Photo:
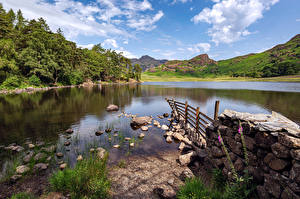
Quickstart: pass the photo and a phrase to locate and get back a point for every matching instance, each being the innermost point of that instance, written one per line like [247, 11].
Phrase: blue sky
[170, 29]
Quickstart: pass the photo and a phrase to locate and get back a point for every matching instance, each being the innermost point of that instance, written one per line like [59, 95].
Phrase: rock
[178, 136]
[264, 140]
[22, 169]
[79, 158]
[168, 133]
[67, 143]
[295, 172]
[171, 181]
[54, 195]
[116, 146]
[101, 152]
[272, 186]
[187, 141]
[39, 156]
[142, 135]
[59, 154]
[40, 143]
[92, 150]
[287, 193]
[262, 193]
[166, 114]
[69, 131]
[144, 128]
[295, 154]
[186, 158]
[131, 144]
[217, 152]
[160, 117]
[164, 127]
[108, 130]
[169, 139]
[140, 121]
[48, 159]
[29, 89]
[181, 146]
[239, 165]
[275, 163]
[280, 151]
[27, 158]
[186, 174]
[31, 146]
[127, 138]
[63, 166]
[289, 141]
[112, 107]
[15, 178]
[40, 166]
[98, 133]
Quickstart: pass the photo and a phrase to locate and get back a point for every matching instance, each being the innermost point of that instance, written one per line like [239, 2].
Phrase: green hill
[283, 59]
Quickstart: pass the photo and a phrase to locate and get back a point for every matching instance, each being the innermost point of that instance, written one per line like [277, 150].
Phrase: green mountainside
[283, 59]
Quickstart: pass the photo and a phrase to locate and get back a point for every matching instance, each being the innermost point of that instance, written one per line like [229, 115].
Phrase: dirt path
[148, 177]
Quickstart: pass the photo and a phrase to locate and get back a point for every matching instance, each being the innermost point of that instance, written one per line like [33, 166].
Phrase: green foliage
[29, 47]
[23, 195]
[34, 80]
[11, 83]
[195, 189]
[219, 181]
[88, 179]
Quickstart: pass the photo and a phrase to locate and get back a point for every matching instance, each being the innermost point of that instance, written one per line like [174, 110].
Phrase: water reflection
[46, 115]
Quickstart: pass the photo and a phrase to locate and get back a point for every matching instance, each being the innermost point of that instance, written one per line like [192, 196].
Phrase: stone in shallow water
[79, 158]
[112, 107]
[142, 135]
[116, 146]
[59, 154]
[144, 128]
[40, 166]
[27, 158]
[127, 138]
[140, 121]
[67, 143]
[131, 144]
[169, 139]
[101, 152]
[31, 146]
[164, 127]
[69, 131]
[186, 158]
[39, 156]
[98, 133]
[92, 150]
[63, 166]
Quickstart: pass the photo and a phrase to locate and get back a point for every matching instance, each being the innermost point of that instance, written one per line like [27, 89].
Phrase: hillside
[283, 59]
[147, 62]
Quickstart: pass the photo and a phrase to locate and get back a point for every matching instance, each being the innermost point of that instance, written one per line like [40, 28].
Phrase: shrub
[34, 80]
[87, 180]
[11, 83]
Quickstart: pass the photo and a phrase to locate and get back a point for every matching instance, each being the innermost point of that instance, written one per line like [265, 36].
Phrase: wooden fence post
[186, 112]
[197, 121]
[216, 110]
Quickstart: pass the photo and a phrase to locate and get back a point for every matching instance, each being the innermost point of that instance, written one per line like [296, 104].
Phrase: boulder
[295, 173]
[164, 127]
[289, 141]
[112, 107]
[275, 163]
[40, 166]
[181, 146]
[27, 158]
[22, 169]
[295, 153]
[169, 139]
[186, 174]
[272, 186]
[69, 131]
[178, 136]
[186, 158]
[144, 128]
[140, 121]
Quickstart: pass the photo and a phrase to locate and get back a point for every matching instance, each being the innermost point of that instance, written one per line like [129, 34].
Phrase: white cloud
[110, 43]
[136, 5]
[231, 18]
[200, 47]
[145, 23]
[298, 20]
[88, 46]
[181, 1]
[126, 54]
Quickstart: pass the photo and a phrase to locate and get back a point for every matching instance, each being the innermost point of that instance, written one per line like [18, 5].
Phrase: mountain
[283, 59]
[147, 62]
[185, 66]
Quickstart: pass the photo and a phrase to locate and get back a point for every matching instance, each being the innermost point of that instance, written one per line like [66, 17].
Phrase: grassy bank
[173, 77]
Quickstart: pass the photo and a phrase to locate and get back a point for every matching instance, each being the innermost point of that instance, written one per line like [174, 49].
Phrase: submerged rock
[116, 146]
[67, 143]
[169, 139]
[166, 114]
[142, 135]
[127, 138]
[108, 130]
[59, 154]
[131, 144]
[69, 131]
[112, 107]
[101, 152]
[98, 133]
[22, 169]
[63, 166]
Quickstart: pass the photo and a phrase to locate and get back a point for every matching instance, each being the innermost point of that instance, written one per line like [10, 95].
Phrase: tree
[137, 72]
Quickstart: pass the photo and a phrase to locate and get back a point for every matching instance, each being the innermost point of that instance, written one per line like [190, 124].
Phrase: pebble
[63, 166]
[59, 154]
[92, 150]
[31, 146]
[127, 138]
[98, 133]
[22, 169]
[116, 146]
[142, 135]
[67, 143]
[164, 127]
[69, 131]
[131, 144]
[79, 158]
[144, 128]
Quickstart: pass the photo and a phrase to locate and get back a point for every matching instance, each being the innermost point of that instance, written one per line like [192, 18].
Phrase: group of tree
[31, 54]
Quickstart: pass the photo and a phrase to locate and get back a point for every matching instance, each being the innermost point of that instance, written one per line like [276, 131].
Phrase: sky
[169, 29]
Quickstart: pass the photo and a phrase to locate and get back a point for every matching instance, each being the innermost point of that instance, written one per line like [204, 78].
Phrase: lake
[46, 115]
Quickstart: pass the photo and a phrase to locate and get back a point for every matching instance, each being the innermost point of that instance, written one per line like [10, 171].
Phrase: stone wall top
[274, 122]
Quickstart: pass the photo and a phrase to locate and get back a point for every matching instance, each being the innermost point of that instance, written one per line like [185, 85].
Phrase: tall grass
[23, 195]
[88, 179]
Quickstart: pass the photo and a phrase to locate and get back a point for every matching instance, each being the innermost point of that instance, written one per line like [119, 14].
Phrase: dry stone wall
[273, 147]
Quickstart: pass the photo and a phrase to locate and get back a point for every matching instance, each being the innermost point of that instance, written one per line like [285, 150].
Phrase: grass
[173, 77]
[23, 195]
[194, 188]
[88, 179]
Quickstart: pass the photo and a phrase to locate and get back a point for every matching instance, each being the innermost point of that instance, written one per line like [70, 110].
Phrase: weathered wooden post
[216, 110]
[186, 112]
[197, 121]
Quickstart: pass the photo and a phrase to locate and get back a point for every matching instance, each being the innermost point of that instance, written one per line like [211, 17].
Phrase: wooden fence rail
[193, 116]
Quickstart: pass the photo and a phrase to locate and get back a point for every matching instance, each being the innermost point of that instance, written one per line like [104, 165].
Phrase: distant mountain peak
[147, 62]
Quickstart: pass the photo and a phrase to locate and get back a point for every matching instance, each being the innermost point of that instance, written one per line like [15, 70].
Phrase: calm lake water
[46, 115]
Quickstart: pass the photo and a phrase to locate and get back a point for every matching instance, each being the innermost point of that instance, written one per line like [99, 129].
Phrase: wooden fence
[193, 116]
